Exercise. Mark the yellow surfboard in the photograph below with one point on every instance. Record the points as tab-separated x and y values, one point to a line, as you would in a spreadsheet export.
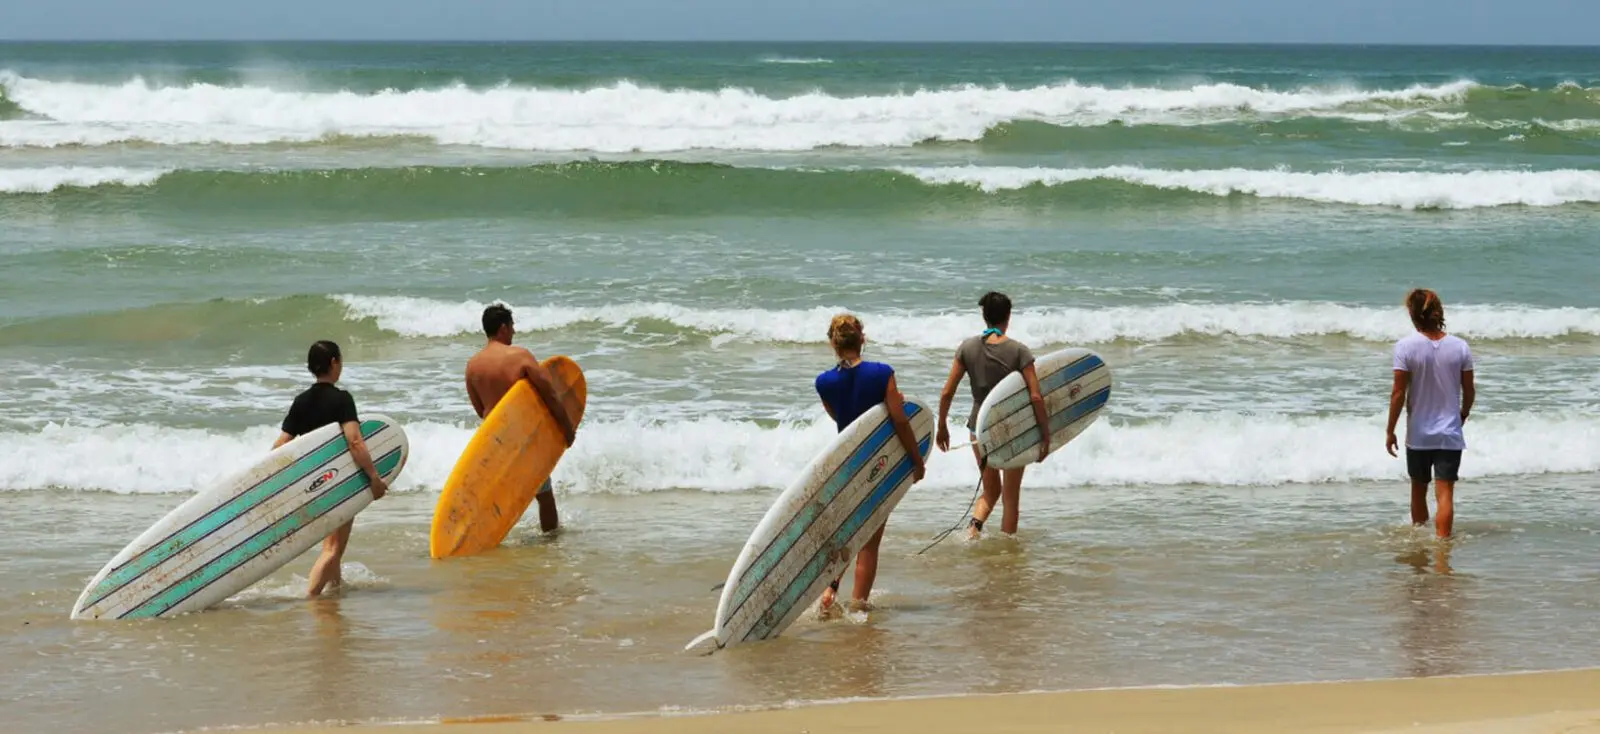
509	457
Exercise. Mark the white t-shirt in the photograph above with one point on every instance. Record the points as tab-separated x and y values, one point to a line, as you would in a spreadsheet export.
1433	402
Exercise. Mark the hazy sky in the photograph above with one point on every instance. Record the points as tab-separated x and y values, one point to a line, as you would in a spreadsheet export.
1355	21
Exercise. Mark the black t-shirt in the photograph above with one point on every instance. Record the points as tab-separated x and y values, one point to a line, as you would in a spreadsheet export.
318	406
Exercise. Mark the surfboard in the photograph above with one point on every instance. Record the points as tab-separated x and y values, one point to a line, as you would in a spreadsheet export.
1075	384
509	457
235	532
814	529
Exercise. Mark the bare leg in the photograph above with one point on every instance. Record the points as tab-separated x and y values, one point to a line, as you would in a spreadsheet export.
867	569
326	571
548	518
1011	496
991	496
1419	501
1444	493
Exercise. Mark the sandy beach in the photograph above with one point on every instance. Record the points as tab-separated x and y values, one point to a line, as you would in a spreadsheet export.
1531	703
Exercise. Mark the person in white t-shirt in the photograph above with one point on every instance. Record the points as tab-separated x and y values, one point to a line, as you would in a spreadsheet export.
1433	383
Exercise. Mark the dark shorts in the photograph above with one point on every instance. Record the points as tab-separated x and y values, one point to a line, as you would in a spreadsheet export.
1425	464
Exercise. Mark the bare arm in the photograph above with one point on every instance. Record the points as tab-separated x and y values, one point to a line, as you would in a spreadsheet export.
1469	393
539	378
283	438
946	397
1030	376
1397	402
902	428
363	457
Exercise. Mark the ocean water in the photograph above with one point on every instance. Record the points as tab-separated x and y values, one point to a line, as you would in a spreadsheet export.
1232	228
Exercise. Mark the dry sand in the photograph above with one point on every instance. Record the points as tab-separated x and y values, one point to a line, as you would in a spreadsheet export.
1533	703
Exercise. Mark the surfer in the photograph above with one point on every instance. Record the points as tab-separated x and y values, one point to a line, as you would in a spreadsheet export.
319	405
1433	382
984	360
495	369
849	389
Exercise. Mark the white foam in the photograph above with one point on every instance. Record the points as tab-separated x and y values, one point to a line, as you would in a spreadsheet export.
1402	189
422	317
800	60
630	456
48	179
628	117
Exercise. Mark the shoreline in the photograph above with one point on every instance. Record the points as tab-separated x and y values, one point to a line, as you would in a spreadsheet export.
1547	702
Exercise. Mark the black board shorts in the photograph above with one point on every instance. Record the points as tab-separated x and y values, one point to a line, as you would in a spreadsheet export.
1425	464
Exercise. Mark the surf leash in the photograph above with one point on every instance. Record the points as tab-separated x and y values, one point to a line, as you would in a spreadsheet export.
937	539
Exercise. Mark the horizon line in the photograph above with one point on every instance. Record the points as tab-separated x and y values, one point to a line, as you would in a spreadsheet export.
898	42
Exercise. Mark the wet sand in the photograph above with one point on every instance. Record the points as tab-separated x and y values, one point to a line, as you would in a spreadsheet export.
1528	703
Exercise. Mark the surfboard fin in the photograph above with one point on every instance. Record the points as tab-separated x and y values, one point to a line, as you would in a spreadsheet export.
711	636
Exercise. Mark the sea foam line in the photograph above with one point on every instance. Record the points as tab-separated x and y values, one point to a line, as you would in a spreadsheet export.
423	317
630	117
1402	189
53	178
713	454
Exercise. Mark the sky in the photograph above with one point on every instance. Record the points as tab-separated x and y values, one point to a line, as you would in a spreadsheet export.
1509	22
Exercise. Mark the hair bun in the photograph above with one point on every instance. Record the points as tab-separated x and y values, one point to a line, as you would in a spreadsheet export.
844	332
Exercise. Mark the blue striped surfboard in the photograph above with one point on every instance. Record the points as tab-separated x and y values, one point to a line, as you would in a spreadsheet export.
234	533
814	529
1075	383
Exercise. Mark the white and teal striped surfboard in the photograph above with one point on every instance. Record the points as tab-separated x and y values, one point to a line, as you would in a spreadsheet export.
814	529
234	533
1075	384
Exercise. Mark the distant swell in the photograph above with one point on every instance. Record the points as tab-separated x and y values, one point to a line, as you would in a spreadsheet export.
420	317
594	188
717	455
629	117
220	322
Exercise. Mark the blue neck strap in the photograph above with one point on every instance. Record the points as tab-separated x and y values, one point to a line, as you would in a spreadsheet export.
991	330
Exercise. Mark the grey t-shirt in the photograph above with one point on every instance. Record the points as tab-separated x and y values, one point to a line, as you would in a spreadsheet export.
986	364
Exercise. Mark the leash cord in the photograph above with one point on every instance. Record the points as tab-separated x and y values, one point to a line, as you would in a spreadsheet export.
937	539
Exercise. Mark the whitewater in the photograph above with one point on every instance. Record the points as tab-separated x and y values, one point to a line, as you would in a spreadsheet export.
717	455
422	317
626	116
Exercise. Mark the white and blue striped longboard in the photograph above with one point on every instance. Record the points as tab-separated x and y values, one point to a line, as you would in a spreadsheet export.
234	533
814	529
1075	383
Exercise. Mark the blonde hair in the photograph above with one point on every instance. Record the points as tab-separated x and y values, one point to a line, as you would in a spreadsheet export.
844	333
1427	311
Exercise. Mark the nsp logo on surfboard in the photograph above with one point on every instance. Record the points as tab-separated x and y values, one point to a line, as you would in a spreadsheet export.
324	479
877	467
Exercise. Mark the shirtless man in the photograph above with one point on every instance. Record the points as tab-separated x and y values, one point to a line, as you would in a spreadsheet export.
491	373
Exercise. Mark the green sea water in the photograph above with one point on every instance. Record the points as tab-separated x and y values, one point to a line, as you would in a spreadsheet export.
1231	227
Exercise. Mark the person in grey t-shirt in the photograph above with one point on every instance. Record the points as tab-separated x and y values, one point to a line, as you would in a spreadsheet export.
1433	383
984	360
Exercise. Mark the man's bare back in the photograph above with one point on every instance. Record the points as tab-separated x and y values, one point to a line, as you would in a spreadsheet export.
491	373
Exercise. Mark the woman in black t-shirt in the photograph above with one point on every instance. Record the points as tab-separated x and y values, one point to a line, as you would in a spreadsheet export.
319	405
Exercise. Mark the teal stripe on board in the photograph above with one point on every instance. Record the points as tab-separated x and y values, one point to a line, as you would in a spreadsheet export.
819	561
1048	384
797	527
225	513
1090	403
274	534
